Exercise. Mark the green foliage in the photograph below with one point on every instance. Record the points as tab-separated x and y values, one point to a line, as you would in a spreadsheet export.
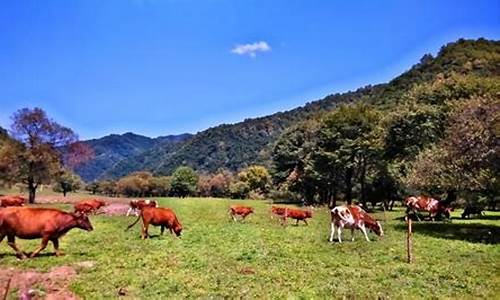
66	182
257	178
467	158
184	182
239	190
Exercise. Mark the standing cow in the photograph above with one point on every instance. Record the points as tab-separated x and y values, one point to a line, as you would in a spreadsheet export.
434	207
352	217
240	210
297	215
35	223
164	217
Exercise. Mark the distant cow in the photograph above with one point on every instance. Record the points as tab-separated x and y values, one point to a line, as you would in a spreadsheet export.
352	217
240	210
137	205
434	207
6	201
89	206
164	217
472	210
35	223
297	214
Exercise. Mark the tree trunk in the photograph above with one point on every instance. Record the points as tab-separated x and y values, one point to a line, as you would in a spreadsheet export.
451	196
362	181
64	193
32	191
348	186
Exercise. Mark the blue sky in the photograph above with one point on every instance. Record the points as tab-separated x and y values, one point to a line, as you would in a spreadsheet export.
165	67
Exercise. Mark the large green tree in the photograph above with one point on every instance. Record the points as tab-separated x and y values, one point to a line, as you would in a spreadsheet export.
184	181
348	145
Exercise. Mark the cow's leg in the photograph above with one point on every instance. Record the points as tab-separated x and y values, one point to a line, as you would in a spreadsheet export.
162	229
352	234
136	212
2	237
332	231
339	233
297	223
129	211
45	241
305	221
11	240
55	242
363	229
144	232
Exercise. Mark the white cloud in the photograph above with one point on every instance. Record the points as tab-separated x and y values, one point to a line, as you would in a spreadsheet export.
251	49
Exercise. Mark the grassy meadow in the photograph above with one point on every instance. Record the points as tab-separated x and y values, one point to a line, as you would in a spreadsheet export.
259	258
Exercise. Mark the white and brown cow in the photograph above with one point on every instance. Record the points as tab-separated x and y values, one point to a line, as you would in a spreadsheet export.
137	205
434	207
352	217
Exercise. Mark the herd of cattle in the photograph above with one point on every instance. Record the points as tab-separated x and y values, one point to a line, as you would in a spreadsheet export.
50	224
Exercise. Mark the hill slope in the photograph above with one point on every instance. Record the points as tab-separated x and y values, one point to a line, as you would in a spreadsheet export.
113	148
248	142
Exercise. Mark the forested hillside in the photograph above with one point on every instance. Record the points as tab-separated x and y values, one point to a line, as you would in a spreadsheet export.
113	148
249	142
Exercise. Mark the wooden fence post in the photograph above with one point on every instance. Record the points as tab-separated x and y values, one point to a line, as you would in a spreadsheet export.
409	243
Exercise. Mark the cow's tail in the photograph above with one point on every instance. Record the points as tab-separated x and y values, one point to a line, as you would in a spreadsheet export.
135	222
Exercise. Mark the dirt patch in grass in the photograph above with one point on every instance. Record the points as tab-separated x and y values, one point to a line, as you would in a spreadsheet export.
115	209
32	284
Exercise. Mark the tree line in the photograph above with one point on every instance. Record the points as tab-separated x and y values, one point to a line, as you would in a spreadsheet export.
442	139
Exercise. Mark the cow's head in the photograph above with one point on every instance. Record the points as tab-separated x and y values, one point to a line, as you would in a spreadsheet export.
82	221
377	228
308	213
177	229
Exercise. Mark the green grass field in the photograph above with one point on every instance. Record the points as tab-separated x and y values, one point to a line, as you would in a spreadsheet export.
260	258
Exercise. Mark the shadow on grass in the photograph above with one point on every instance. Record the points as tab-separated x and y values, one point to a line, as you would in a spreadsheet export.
482	217
474	233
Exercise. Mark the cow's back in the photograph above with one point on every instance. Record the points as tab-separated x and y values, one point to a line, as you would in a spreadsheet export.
28	222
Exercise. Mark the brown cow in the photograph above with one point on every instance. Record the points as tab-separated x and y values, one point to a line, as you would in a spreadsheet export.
6	201
240	210
89	206
158	216
297	214
137	205
434	207
34	223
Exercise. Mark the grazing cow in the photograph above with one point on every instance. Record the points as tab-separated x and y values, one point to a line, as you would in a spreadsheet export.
240	210
137	205
352	217
297	214
434	207
89	206
164	217
6	201
472	210
35	223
